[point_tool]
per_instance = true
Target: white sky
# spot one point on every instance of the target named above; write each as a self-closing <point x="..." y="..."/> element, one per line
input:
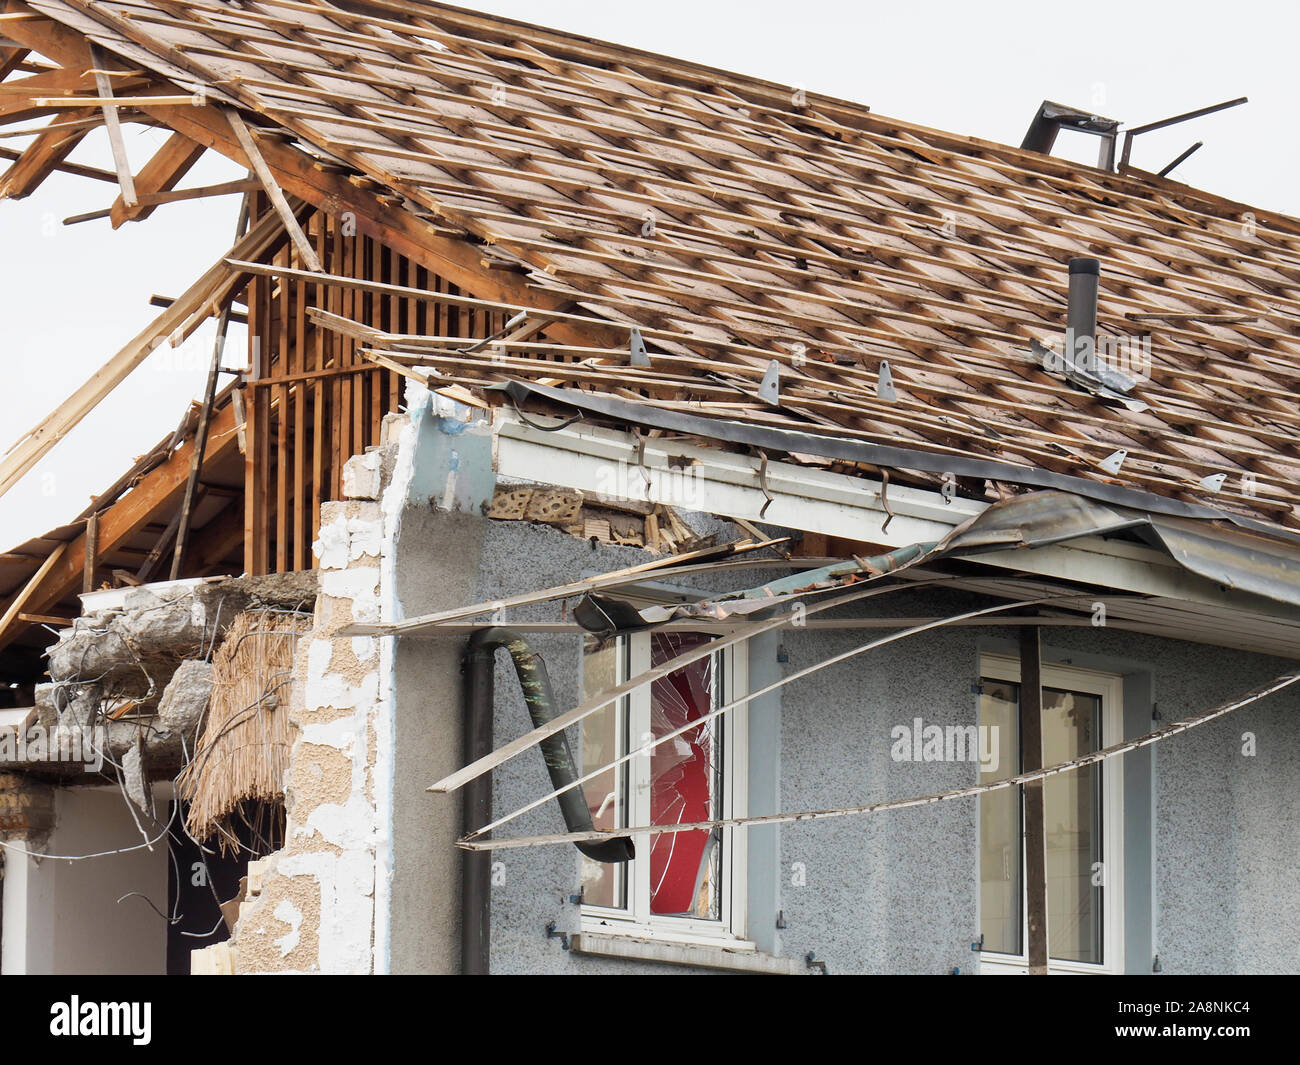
<point x="70" y="297"/>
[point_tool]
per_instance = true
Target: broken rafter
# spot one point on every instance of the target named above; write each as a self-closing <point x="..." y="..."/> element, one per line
<point x="169" y="164"/>
<point x="274" y="192"/>
<point x="200" y="301"/>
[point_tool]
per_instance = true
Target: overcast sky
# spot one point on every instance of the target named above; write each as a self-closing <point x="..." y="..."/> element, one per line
<point x="71" y="296"/>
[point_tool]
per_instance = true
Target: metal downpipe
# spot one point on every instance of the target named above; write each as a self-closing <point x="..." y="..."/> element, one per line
<point x="476" y="870"/>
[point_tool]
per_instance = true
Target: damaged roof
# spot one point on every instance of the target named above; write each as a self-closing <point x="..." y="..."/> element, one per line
<point x="900" y="277"/>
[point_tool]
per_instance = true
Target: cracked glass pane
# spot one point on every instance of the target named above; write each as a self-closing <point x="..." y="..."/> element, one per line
<point x="685" y="783"/>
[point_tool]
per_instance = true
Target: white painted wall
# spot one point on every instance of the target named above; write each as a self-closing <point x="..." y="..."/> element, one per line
<point x="63" y="917"/>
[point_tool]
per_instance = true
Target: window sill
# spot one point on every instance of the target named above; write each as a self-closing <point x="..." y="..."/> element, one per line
<point x="694" y="954"/>
<point x="1009" y="965"/>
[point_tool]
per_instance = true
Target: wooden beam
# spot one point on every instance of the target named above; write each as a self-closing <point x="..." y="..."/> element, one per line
<point x="44" y="619"/>
<point x="33" y="583"/>
<point x="111" y="119"/>
<point x="159" y="175"/>
<point x="226" y="188"/>
<point x="273" y="191"/>
<point x="1031" y="760"/>
<point x="208" y="292"/>
<point x="159" y="490"/>
<point x="110" y="101"/>
<point x="42" y="157"/>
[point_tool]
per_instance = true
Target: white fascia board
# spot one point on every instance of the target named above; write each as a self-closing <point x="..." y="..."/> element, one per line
<point x="604" y="461"/>
<point x="598" y="459"/>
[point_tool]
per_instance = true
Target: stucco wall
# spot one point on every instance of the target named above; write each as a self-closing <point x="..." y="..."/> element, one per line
<point x="896" y="892"/>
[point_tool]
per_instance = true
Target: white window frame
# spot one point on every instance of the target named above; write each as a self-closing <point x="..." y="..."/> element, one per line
<point x="731" y="667"/>
<point x="1111" y="690"/>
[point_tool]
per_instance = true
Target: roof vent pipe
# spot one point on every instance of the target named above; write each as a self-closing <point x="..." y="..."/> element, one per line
<point x="1081" y="317"/>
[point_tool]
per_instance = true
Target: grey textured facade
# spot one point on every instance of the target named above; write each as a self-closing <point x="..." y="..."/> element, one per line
<point x="1209" y="831"/>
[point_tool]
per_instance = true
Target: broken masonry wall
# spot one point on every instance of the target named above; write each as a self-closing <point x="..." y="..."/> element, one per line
<point x="137" y="663"/>
<point x="315" y="910"/>
<point x="333" y="899"/>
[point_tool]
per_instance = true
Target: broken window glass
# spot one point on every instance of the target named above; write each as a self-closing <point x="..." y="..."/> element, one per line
<point x="685" y="781"/>
<point x="677" y="874"/>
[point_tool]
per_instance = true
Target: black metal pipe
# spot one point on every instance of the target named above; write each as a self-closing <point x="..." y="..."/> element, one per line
<point x="476" y="871"/>
<point x="1081" y="317"/>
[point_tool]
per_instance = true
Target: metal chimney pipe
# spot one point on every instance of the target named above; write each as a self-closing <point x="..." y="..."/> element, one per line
<point x="1081" y="317"/>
